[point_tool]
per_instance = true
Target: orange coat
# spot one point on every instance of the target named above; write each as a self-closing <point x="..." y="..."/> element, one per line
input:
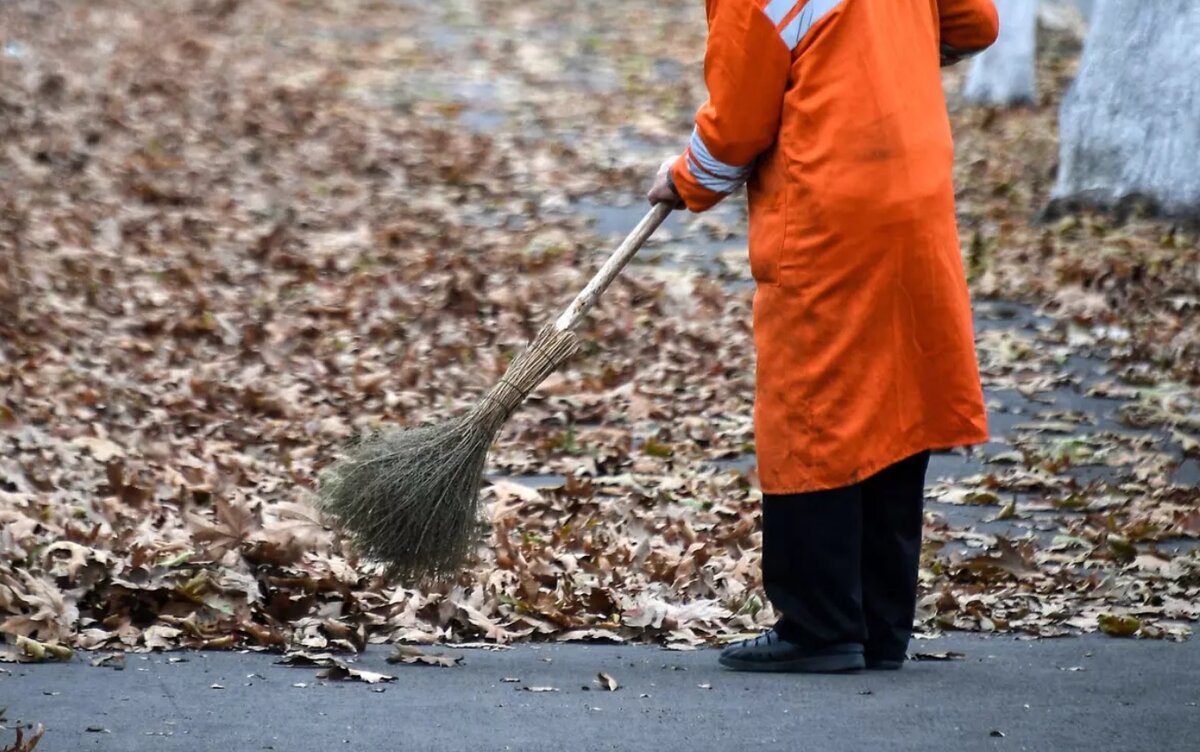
<point x="832" y="113"/>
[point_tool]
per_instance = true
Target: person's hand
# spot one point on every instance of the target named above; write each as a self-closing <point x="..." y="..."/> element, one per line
<point x="951" y="56"/>
<point x="663" y="191"/>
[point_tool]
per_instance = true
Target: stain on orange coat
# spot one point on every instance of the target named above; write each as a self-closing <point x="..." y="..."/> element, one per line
<point x="832" y="112"/>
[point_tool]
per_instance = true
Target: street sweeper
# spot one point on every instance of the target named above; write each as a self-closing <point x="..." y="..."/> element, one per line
<point x="831" y="113"/>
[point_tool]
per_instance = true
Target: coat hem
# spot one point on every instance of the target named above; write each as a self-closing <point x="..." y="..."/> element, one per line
<point x="868" y="470"/>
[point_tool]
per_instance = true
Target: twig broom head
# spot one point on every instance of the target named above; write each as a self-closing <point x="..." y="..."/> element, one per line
<point x="409" y="498"/>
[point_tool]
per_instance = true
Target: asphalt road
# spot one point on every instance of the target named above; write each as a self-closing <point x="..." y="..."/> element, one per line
<point x="1089" y="693"/>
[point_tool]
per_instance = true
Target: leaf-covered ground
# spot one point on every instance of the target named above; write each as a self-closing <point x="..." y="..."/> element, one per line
<point x="235" y="233"/>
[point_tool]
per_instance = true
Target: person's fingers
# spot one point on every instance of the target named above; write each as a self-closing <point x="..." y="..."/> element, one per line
<point x="663" y="195"/>
<point x="660" y="191"/>
<point x="659" y="185"/>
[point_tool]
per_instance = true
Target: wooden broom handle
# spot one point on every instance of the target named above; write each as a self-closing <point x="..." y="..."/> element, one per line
<point x="585" y="300"/>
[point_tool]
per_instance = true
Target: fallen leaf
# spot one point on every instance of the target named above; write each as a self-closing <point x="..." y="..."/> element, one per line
<point x="410" y="654"/>
<point x="945" y="655"/>
<point x="343" y="672"/>
<point x="23" y="744"/>
<point x="1007" y="512"/>
<point x="1189" y="445"/>
<point x="332" y="668"/>
<point x="101" y="449"/>
<point x="1006" y="558"/>
<point x="160" y="636"/>
<point x="32" y="650"/>
<point x="112" y="660"/>
<point x="505" y="490"/>
<point x="1119" y="625"/>
<point x="1047" y="426"/>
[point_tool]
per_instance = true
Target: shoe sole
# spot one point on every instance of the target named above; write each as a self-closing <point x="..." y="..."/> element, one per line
<point x="815" y="664"/>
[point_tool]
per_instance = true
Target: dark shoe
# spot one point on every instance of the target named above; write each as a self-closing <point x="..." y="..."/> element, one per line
<point x="770" y="652"/>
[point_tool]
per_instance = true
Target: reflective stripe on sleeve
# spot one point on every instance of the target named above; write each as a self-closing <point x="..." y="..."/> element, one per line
<point x="718" y="185"/>
<point x="711" y="164"/>
<point x="711" y="172"/>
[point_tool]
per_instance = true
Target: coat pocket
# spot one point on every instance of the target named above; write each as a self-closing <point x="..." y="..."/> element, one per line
<point x="767" y="230"/>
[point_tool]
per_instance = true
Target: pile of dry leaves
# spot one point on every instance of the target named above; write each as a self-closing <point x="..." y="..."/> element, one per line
<point x="235" y="233"/>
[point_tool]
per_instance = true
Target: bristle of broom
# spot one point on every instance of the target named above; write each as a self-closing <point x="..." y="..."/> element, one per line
<point x="409" y="497"/>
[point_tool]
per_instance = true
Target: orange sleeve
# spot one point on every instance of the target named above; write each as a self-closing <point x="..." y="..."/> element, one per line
<point x="967" y="27"/>
<point x="746" y="67"/>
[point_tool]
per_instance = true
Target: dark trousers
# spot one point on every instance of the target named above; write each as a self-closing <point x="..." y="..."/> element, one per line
<point x="841" y="565"/>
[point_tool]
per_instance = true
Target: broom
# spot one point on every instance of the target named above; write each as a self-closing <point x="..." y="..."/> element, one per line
<point x="409" y="497"/>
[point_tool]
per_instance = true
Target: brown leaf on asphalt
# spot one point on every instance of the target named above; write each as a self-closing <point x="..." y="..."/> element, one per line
<point x="346" y="673"/>
<point x="410" y="654"/>
<point x="944" y="655"/>
<point x="307" y="659"/>
<point x="1005" y="558"/>
<point x="333" y="668"/>
<point x="24" y="743"/>
<point x="112" y="660"/>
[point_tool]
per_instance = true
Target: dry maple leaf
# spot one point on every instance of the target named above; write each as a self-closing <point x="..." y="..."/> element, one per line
<point x="51" y="616"/>
<point x="234" y="525"/>
<point x="69" y="560"/>
<point x="1007" y="558"/>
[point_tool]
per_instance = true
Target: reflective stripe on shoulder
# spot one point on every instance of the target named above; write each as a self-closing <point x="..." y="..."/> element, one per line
<point x="794" y="31"/>
<point x="777" y="10"/>
<point x="711" y="172"/>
